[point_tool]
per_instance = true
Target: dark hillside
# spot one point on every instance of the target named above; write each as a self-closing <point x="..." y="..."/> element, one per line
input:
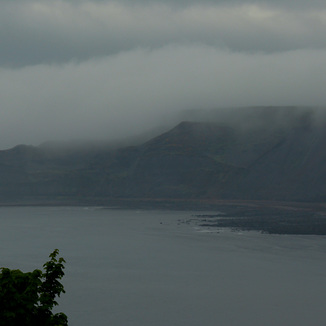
<point x="292" y="170"/>
<point x="183" y="162"/>
<point x="259" y="154"/>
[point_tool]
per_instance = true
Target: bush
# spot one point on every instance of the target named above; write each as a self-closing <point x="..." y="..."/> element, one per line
<point x="27" y="299"/>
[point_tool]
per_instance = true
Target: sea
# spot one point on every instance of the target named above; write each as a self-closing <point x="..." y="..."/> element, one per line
<point x="154" y="268"/>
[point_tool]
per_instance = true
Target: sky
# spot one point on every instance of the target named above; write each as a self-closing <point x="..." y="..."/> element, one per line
<point x="101" y="69"/>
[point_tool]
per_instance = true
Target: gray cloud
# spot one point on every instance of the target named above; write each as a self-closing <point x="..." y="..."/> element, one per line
<point x="283" y="3"/>
<point x="33" y="32"/>
<point x="125" y="94"/>
<point x="84" y="69"/>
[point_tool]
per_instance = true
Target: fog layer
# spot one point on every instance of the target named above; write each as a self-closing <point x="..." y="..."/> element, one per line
<point x="111" y="69"/>
<point x="126" y="94"/>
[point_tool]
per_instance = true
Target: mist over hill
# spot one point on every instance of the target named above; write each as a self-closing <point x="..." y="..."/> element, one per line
<point x="261" y="153"/>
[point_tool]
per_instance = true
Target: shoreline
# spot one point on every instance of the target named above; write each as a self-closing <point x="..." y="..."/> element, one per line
<point x="179" y="204"/>
<point x="272" y="217"/>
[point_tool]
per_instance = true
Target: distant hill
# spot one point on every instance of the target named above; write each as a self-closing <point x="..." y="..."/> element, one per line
<point x="248" y="154"/>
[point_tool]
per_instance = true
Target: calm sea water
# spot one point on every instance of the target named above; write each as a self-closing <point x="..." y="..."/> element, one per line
<point x="145" y="268"/>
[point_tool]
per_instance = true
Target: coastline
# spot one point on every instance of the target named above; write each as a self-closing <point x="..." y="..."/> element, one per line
<point x="168" y="203"/>
<point x="272" y="217"/>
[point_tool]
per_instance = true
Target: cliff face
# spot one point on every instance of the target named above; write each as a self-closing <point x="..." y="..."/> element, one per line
<point x="262" y="160"/>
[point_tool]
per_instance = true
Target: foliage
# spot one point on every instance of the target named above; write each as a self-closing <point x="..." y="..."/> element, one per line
<point x="27" y="299"/>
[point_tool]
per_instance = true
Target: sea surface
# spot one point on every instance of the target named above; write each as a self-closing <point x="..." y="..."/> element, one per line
<point x="151" y="268"/>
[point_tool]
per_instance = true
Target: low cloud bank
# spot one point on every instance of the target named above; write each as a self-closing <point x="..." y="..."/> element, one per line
<point x="54" y="31"/>
<point x="134" y="91"/>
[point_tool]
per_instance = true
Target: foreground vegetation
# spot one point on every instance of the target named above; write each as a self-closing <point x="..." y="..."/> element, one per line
<point x="27" y="299"/>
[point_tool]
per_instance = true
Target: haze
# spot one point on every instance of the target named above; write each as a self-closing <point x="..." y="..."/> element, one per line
<point x="112" y="69"/>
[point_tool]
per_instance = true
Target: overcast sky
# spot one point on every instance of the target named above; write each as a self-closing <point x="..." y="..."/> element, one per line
<point x="75" y="69"/>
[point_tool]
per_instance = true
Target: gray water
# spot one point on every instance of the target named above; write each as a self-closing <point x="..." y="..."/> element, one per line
<point x="145" y="268"/>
